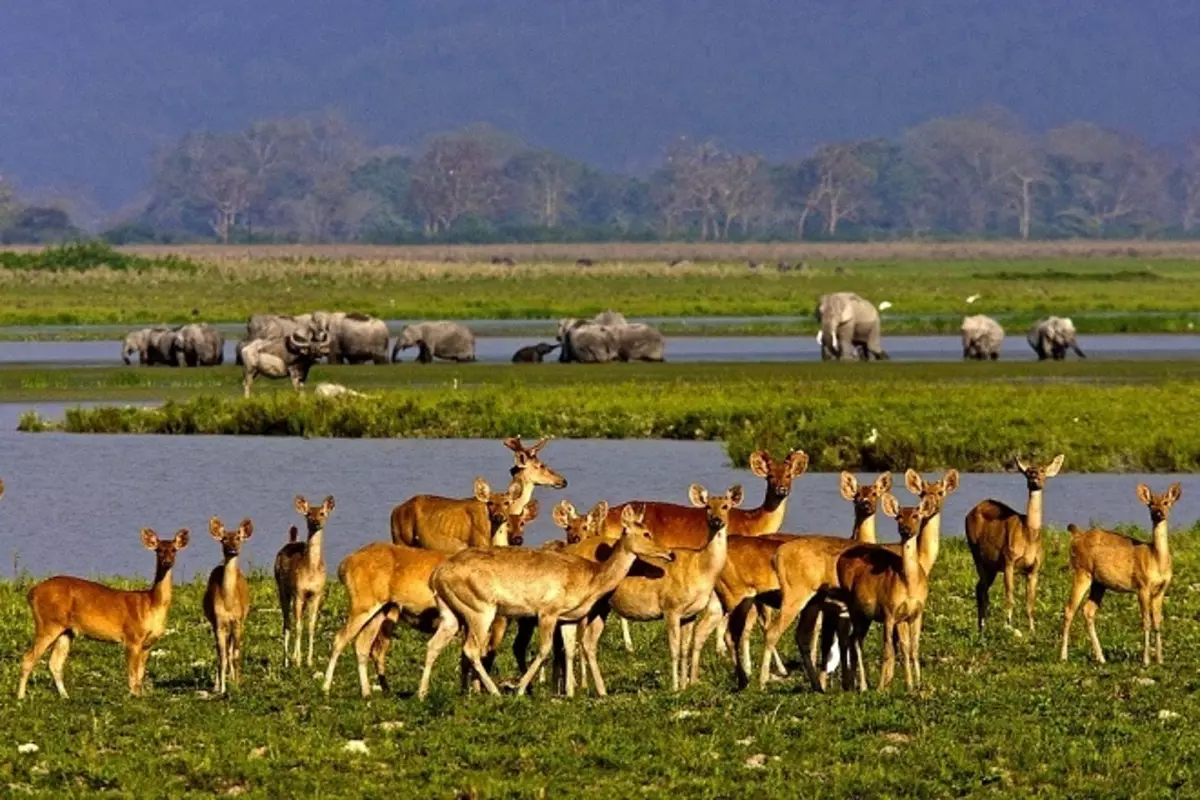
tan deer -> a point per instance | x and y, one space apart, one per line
452 524
389 583
300 577
1004 540
65 607
477 586
1104 560
227 600
878 585
577 526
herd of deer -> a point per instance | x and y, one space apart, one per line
455 566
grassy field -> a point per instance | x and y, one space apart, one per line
1002 718
1106 416
1116 287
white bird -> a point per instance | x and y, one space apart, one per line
336 390
835 658
872 437
818 337
973 298
885 305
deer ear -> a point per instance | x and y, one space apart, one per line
760 463
521 458
216 529
246 528
1054 466
598 514
698 495
530 512
913 482
301 505
149 539
562 513
628 515
891 506
1174 492
329 503
1021 465
797 463
884 482
951 481
848 485
181 538
482 491
1144 494
736 495
513 444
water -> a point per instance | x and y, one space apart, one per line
497 349
74 504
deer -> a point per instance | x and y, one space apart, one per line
452 524
577 526
300 577
389 583
1105 560
227 601
685 526
876 584
1003 540
65 607
475 586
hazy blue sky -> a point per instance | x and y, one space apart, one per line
89 90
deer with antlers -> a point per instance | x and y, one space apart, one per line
1104 561
65 607
1004 540
227 600
300 577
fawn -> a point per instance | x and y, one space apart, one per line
300 577
227 600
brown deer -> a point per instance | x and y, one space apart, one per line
389 583
65 607
1003 540
475 586
227 600
577 526
300 577
1104 560
876 584
452 524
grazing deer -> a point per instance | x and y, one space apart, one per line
389 583
452 524
679 592
65 607
1104 560
476 586
300 577
227 600
876 584
1003 540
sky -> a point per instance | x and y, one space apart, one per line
89 92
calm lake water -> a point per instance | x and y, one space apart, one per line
74 504
685 349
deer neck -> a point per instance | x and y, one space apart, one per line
522 500
912 564
929 541
713 555
864 529
229 576
160 592
312 549
1162 551
1033 512
610 573
500 536
768 518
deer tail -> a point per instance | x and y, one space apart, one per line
293 534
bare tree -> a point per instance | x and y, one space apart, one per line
842 185
453 179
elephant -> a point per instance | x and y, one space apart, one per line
638 341
849 328
586 342
610 318
277 326
449 341
284 357
534 353
199 346
353 338
982 338
153 346
1052 337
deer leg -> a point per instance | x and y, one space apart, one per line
765 615
314 610
983 588
220 633
708 623
889 653
133 658
626 636
447 629
297 627
1157 611
806 635
546 626
479 627
351 630
903 641
1144 607
738 625
380 645
41 643
915 636
832 625
569 632
1090 608
58 660
1031 582
591 638
793 602
495 637
1009 579
238 627
364 649
1080 587
674 634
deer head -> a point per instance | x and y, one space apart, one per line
579 527
779 474
231 540
636 538
717 507
165 550
909 519
865 497
1037 475
529 467
1159 504
314 516
938 490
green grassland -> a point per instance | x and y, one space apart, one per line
1106 416
999 718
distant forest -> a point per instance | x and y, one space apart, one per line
981 175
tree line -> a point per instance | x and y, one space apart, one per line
314 178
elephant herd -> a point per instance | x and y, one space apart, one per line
850 329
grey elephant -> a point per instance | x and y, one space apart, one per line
982 338
153 347
850 328
1052 337
449 341
353 338
586 342
638 341
610 317
534 353
277 326
291 356
198 346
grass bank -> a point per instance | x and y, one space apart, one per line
1105 293
1107 417
1004 717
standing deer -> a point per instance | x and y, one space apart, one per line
1104 560
1003 540
476 586
300 577
65 607
876 584
227 601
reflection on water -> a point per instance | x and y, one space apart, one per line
74 504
